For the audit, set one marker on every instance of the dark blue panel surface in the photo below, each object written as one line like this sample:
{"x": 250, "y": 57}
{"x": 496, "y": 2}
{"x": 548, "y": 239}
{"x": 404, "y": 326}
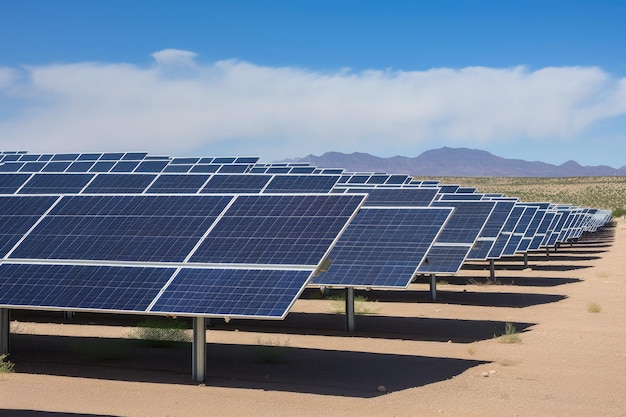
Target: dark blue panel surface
{"x": 18, "y": 215}
{"x": 497, "y": 218}
{"x": 383, "y": 247}
{"x": 56, "y": 166}
{"x": 301, "y": 183}
{"x": 498, "y": 247}
{"x": 80, "y": 166}
{"x": 9, "y": 183}
{"x": 172, "y": 183}
{"x": 236, "y": 183}
{"x": 232, "y": 169}
{"x": 272, "y": 229}
{"x": 481, "y": 249}
{"x": 122, "y": 228}
{"x": 56, "y": 183}
{"x": 511, "y": 245}
{"x": 444, "y": 259}
{"x": 232, "y": 292}
{"x": 466, "y": 221}
{"x": 119, "y": 183}
{"x": 151, "y": 166}
{"x": 407, "y": 197}
{"x": 101, "y": 288}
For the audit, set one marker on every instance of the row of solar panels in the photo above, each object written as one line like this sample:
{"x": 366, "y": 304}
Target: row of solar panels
{"x": 65, "y": 246}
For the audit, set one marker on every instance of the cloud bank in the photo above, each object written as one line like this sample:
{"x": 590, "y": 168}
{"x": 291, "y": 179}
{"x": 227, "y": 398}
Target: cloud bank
{"x": 178, "y": 105}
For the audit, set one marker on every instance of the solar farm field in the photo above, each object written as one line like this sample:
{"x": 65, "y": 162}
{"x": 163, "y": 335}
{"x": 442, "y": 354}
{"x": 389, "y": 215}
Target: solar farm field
{"x": 601, "y": 192}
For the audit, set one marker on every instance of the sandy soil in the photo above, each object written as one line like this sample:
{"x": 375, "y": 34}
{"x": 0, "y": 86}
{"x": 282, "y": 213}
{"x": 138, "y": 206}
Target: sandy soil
{"x": 433, "y": 358}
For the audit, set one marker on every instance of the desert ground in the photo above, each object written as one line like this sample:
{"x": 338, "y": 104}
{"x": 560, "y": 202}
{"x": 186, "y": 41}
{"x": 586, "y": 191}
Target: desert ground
{"x": 408, "y": 357}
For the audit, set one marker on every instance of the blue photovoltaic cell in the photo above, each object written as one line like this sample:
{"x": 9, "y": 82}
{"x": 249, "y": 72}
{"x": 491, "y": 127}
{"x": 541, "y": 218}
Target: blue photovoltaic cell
{"x": 184, "y": 161}
{"x": 278, "y": 170}
{"x": 497, "y": 218}
{"x": 65, "y": 157}
{"x": 208, "y": 169}
{"x": 33, "y": 166}
{"x": 100, "y": 288}
{"x": 397, "y": 179}
{"x": 382, "y": 247}
{"x": 408, "y": 197}
{"x": 144, "y": 228}
{"x": 511, "y": 245}
{"x": 481, "y": 249}
{"x": 302, "y": 170}
{"x": 112, "y": 156}
{"x": 9, "y": 183}
{"x": 56, "y": 183}
{"x": 10, "y": 166}
{"x": 534, "y": 223}
{"x": 272, "y": 229}
{"x": 461, "y": 196}
{"x": 232, "y": 292}
{"x": 236, "y": 183}
{"x": 466, "y": 221}
{"x": 172, "y": 183}
{"x": 498, "y": 246}
{"x": 125, "y": 166}
{"x": 536, "y": 242}
{"x": 227, "y": 160}
{"x": 443, "y": 189}
{"x": 513, "y": 219}
{"x": 18, "y": 215}
{"x": 523, "y": 244}
{"x": 80, "y": 166}
{"x": 525, "y": 220}
{"x": 89, "y": 157}
{"x": 134, "y": 156}
{"x": 151, "y": 166}
{"x": 247, "y": 160}
{"x": 56, "y": 166}
{"x": 301, "y": 184}
{"x": 444, "y": 259}
{"x": 119, "y": 183}
{"x": 178, "y": 168}
{"x": 105, "y": 166}
{"x": 232, "y": 169}
{"x": 358, "y": 179}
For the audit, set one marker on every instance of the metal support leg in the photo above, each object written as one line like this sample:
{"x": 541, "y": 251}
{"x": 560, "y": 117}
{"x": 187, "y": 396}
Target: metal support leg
{"x": 492, "y": 270}
{"x": 547, "y": 252}
{"x": 525, "y": 259}
{"x": 5, "y": 330}
{"x": 433, "y": 287}
{"x": 350, "y": 319}
{"x": 199, "y": 349}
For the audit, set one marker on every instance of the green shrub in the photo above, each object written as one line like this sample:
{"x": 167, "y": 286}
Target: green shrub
{"x": 161, "y": 333}
{"x": 6, "y": 366}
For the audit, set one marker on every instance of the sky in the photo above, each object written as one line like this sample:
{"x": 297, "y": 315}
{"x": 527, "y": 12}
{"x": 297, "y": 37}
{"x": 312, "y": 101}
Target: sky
{"x": 533, "y": 80}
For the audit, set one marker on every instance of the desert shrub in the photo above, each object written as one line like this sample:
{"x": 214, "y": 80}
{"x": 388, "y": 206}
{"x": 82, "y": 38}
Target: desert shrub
{"x": 510, "y": 334}
{"x": 161, "y": 332}
{"x": 6, "y": 366}
{"x": 593, "y": 308}
{"x": 361, "y": 304}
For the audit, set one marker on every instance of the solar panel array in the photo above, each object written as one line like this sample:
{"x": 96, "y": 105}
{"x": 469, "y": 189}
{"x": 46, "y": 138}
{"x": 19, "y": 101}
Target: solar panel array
{"x": 227, "y": 236}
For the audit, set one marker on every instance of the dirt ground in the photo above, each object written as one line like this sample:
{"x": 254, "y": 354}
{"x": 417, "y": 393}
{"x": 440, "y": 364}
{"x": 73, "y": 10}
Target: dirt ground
{"x": 408, "y": 357}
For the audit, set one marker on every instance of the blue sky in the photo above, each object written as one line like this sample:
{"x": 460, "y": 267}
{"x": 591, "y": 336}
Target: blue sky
{"x": 535, "y": 80}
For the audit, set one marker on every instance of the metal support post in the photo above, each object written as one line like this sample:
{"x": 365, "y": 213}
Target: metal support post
{"x": 5, "y": 330}
{"x": 525, "y": 259}
{"x": 547, "y": 252}
{"x": 433, "y": 287}
{"x": 198, "y": 364}
{"x": 492, "y": 270}
{"x": 350, "y": 319}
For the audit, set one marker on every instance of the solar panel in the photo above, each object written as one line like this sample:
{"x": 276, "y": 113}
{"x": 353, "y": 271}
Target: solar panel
{"x": 76, "y": 287}
{"x": 444, "y": 259}
{"x": 406, "y": 197}
{"x": 122, "y": 228}
{"x": 232, "y": 292}
{"x": 178, "y": 183}
{"x": 290, "y": 229}
{"x": 10, "y": 183}
{"x": 119, "y": 183}
{"x": 17, "y": 215}
{"x": 301, "y": 183}
{"x": 236, "y": 183}
{"x": 382, "y": 247}
{"x": 466, "y": 222}
{"x": 55, "y": 184}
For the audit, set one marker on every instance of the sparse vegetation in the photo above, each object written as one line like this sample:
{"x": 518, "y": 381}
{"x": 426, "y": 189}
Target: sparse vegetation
{"x": 599, "y": 192}
{"x": 593, "y": 308}
{"x": 361, "y": 305}
{"x": 272, "y": 350}
{"x": 510, "y": 334}
{"x": 161, "y": 333}
{"x": 6, "y": 366}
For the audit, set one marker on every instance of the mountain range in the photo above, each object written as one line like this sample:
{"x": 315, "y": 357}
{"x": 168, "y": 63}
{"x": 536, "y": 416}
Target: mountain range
{"x": 457, "y": 162}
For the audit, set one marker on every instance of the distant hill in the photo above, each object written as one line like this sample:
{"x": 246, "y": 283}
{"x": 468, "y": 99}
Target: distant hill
{"x": 457, "y": 162}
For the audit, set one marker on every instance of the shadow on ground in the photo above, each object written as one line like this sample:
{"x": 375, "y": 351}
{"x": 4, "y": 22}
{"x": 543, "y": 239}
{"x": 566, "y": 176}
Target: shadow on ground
{"x": 276, "y": 367}
{"x": 35, "y": 413}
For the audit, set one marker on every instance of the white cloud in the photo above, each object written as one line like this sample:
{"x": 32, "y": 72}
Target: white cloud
{"x": 233, "y": 106}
